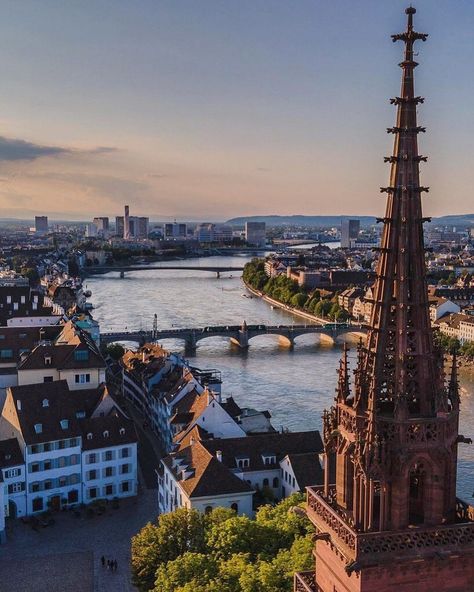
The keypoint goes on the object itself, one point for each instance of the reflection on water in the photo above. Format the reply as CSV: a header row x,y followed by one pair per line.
x,y
295,385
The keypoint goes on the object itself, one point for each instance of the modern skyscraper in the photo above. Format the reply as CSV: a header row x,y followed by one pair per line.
x,y
102,223
391,520
119,226
41,224
126,224
349,231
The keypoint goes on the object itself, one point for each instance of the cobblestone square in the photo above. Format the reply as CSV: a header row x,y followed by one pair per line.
x,y
66,556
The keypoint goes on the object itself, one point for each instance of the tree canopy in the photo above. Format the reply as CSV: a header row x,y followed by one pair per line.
x,y
186,551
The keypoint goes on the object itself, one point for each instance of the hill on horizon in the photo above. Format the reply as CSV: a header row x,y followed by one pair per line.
x,y
319,221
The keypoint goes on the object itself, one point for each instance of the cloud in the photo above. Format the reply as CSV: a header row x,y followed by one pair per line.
x,y
14,149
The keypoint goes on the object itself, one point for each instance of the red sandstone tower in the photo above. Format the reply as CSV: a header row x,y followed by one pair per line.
x,y
392,521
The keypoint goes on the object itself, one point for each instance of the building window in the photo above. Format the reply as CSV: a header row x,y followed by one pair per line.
x,y
47,465
92,475
276,482
12,473
48,378
15,487
6,354
47,447
109,490
37,504
35,467
109,471
125,487
93,492
82,378
124,469
35,487
235,507
266,482
108,455
72,496
48,484
125,452
91,459
81,355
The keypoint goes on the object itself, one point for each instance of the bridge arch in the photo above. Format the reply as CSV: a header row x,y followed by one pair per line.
x,y
281,338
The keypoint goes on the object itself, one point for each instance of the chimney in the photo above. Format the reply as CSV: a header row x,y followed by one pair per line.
x,y
219,455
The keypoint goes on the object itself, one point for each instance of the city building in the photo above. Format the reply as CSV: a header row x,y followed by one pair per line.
x,y
206,473
119,226
41,224
22,306
175,231
72,356
204,233
255,234
126,223
73,447
440,306
389,519
102,224
349,232
90,230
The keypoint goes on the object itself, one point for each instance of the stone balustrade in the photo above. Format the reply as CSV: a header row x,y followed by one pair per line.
x,y
305,581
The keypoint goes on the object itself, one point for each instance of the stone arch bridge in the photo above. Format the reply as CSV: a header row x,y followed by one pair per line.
x,y
240,335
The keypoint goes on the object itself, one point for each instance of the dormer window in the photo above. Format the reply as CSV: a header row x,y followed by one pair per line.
x,y
122,431
38,428
80,414
64,424
106,434
269,459
45,403
81,355
47,360
89,436
242,462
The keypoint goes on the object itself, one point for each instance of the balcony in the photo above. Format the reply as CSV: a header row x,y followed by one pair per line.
x,y
327,519
367,546
305,581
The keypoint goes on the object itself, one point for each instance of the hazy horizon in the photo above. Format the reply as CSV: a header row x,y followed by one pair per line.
x,y
211,110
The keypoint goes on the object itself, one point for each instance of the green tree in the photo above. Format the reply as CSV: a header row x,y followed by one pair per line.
x,y
195,568
298,299
221,552
176,533
115,350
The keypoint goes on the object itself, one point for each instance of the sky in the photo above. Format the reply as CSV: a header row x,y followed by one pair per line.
x,y
210,109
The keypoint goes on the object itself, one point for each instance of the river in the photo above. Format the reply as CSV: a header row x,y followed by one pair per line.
x,y
294,385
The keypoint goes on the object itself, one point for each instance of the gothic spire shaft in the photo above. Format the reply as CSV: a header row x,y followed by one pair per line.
x,y
400,353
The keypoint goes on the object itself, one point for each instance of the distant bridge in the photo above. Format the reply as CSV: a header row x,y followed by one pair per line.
x,y
238,334
123,268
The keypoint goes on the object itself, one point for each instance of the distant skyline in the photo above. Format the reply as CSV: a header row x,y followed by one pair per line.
x,y
212,110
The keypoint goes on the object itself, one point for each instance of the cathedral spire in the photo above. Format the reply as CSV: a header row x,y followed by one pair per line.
x,y
401,358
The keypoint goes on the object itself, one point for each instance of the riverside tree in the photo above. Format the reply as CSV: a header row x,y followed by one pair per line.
x,y
186,551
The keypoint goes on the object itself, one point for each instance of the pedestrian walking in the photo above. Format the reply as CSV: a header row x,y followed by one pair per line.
x,y
102,560
109,564
115,565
